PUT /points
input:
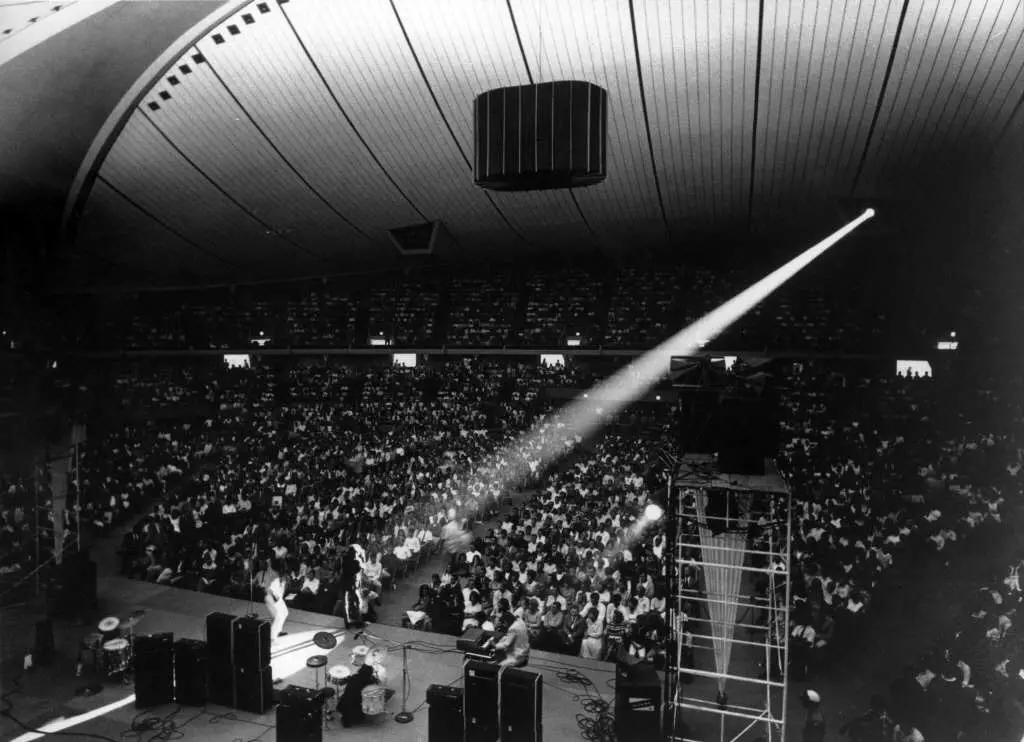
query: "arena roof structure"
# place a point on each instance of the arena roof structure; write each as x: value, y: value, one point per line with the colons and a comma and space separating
x: 203, y: 141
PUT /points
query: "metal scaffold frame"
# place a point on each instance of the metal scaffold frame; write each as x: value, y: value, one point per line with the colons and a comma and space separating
x: 712, y: 692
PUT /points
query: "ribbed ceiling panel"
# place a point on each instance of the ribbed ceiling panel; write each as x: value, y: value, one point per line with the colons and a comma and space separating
x: 699, y: 70
x: 366, y: 59
x: 483, y: 31
x: 823, y: 68
x: 944, y: 42
x: 289, y: 138
x: 266, y: 67
x: 592, y: 40
x: 131, y: 237
x: 158, y: 178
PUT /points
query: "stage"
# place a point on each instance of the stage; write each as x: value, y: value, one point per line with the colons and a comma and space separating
x: 48, y: 693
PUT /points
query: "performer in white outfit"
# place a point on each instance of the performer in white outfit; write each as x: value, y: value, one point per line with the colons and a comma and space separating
x: 274, y: 587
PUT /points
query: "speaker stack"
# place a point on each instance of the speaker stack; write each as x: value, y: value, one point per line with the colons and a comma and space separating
x: 444, y: 722
x: 190, y: 672
x: 254, y: 681
x: 238, y: 651
x: 637, y: 701
x: 72, y: 592
x: 506, y: 705
x: 300, y: 715
x: 154, y: 670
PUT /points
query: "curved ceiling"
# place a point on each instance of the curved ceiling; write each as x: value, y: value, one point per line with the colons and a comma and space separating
x: 288, y: 138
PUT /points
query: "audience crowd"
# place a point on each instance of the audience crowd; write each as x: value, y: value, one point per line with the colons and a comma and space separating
x: 630, y: 308
x: 348, y: 476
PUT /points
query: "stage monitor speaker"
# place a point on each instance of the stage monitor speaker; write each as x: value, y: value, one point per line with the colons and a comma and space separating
x: 299, y: 715
x: 254, y: 689
x: 521, y: 713
x: 480, y: 702
x: 72, y: 591
x: 251, y: 642
x: 444, y: 720
x: 519, y: 718
x: 219, y: 636
x: 154, y: 670
x: 538, y: 137
x: 220, y: 681
x: 637, y: 702
x: 190, y: 673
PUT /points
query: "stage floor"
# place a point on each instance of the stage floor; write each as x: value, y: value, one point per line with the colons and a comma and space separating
x: 48, y: 693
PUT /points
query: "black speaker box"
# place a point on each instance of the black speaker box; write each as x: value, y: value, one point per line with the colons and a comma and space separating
x: 444, y: 721
x: 299, y: 715
x: 154, y: 670
x: 521, y: 704
x: 219, y: 635
x: 254, y: 689
x: 251, y: 642
x: 522, y: 697
x: 637, y: 702
x: 220, y: 675
x: 480, y: 702
x: 72, y: 591
x: 190, y: 673
x: 533, y: 137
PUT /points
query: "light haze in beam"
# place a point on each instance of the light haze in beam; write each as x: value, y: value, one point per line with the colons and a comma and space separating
x: 583, y: 417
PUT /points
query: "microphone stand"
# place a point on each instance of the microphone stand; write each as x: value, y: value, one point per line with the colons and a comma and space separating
x: 404, y: 716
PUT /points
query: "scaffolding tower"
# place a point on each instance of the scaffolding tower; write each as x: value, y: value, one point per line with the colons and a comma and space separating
x: 728, y: 603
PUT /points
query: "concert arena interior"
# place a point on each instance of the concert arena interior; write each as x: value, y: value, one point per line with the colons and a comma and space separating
x: 511, y: 370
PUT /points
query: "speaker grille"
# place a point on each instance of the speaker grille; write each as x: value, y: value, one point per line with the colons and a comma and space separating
x: 539, y: 137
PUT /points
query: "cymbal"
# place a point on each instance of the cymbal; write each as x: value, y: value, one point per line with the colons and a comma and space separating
x: 325, y: 640
x: 110, y: 623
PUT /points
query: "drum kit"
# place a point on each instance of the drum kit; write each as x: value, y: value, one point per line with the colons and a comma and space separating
x: 112, y: 647
x: 374, y: 697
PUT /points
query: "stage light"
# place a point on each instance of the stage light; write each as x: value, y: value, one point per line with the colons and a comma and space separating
x: 57, y: 726
x: 579, y: 420
x: 653, y: 512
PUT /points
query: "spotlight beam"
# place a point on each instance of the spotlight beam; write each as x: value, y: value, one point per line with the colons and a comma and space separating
x: 581, y: 418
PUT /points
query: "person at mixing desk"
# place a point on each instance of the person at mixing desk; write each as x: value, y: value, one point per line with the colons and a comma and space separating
x: 516, y: 641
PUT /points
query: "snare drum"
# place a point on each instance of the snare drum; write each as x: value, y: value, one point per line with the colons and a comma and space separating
x: 374, y: 697
x: 338, y: 675
x: 115, y: 656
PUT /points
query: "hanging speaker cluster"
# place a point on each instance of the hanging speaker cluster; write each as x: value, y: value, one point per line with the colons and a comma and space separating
x: 540, y: 137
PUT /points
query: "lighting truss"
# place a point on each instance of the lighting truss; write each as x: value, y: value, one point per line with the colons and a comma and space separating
x: 735, y: 687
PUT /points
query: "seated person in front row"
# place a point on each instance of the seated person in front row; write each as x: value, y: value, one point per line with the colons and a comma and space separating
x: 516, y: 640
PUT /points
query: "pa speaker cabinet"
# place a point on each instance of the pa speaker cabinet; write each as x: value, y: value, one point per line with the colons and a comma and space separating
x: 190, y: 673
x: 535, y: 137
x: 154, y: 670
x: 480, y: 702
x: 521, y: 706
x: 220, y: 681
x: 637, y: 702
x: 251, y: 642
x: 444, y: 720
x: 299, y: 715
x: 219, y: 636
x: 514, y: 711
x: 254, y: 689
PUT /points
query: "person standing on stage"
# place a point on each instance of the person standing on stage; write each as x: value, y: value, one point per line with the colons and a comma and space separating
x: 456, y: 539
x: 273, y: 595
